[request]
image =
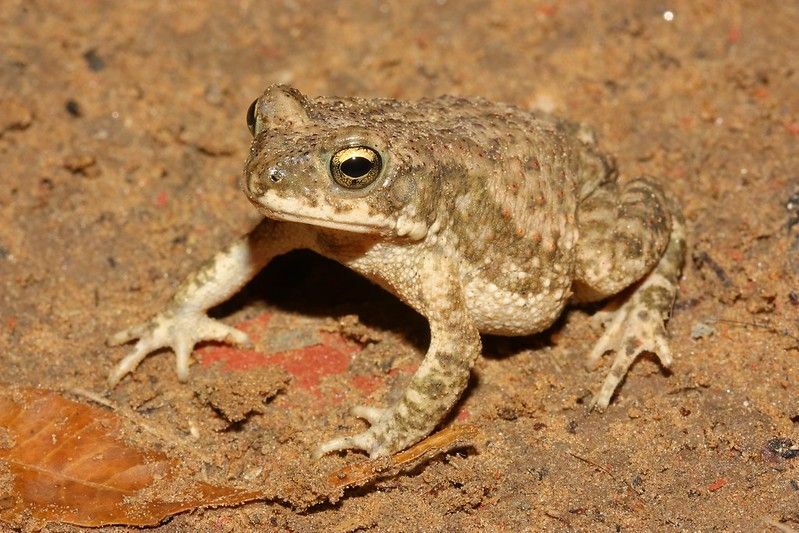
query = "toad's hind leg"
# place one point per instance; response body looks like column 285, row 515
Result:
column 628, row 235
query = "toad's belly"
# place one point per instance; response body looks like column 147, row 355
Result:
column 505, row 310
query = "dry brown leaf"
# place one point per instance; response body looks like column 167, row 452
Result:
column 361, row 473
column 68, row 462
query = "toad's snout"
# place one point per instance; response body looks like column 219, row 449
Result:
column 259, row 180
column 280, row 170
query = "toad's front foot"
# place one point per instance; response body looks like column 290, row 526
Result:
column 381, row 439
column 176, row 329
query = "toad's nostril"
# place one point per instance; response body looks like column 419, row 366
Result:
column 276, row 175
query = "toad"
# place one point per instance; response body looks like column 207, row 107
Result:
column 483, row 217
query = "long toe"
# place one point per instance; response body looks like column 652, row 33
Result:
column 363, row 441
column 128, row 334
column 370, row 414
column 128, row 363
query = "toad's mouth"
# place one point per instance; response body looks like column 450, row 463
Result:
column 356, row 227
column 353, row 218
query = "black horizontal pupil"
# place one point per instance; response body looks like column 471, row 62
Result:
column 356, row 167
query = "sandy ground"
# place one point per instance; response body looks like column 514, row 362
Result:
column 122, row 137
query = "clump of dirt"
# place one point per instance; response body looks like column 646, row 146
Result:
column 234, row 401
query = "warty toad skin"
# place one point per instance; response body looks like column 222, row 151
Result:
column 482, row 217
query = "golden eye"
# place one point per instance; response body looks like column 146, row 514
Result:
column 251, row 117
column 355, row 167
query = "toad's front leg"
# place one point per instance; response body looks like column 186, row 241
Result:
column 184, row 322
column 440, row 379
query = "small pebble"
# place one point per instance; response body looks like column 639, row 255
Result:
column 700, row 330
column 782, row 447
column 93, row 60
column 73, row 108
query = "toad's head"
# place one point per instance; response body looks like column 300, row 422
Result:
column 337, row 163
